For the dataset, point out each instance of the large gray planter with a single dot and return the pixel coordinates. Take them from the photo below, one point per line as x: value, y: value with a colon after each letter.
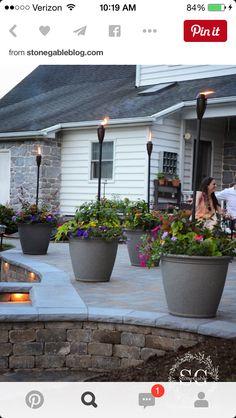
x: 92, y: 259
x: 133, y: 242
x: 193, y: 285
x: 34, y: 238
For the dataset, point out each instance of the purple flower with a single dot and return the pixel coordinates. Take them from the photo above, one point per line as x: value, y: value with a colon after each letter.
x: 164, y: 235
x: 174, y: 239
x: 80, y: 233
x: 85, y: 234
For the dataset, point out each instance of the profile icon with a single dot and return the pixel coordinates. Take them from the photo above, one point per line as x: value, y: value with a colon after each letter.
x: 201, y: 402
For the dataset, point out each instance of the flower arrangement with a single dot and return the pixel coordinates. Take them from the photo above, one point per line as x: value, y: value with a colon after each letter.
x: 137, y: 216
x: 176, y: 234
x: 92, y: 220
x: 31, y: 214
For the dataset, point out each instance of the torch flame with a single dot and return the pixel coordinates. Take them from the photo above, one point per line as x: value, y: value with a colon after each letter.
x: 206, y: 93
x: 39, y: 150
x: 105, y: 121
x: 150, y: 136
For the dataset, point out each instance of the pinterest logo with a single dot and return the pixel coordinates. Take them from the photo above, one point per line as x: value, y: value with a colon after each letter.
x: 205, y: 30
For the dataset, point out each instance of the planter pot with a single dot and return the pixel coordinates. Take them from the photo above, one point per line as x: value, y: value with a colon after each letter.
x: 133, y: 241
x: 34, y: 238
x: 92, y: 259
x: 162, y: 182
x: 175, y: 182
x: 193, y: 285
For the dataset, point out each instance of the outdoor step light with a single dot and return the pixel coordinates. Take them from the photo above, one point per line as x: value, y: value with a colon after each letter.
x: 15, y: 297
x: 2, y: 232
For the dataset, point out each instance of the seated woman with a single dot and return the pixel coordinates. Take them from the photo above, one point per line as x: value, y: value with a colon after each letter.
x: 207, y: 205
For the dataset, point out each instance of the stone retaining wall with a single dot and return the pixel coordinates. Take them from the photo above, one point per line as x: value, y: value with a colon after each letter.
x: 13, y: 273
x: 84, y: 345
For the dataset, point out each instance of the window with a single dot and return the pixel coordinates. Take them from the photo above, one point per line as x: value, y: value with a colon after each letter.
x: 170, y: 162
x: 107, y: 160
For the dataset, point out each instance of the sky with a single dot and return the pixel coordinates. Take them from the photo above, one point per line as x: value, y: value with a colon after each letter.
x: 11, y: 76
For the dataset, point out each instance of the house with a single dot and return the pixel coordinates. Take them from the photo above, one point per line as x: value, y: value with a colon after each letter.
x: 60, y: 107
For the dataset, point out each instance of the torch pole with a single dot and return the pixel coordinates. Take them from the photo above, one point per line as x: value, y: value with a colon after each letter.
x: 101, y: 134
x: 199, y: 123
x: 38, y: 161
x: 149, y: 152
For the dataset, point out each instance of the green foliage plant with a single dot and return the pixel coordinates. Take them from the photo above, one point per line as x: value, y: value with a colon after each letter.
x: 177, y: 234
x: 161, y: 176
x: 92, y: 220
x: 6, y: 214
x: 31, y: 214
x: 137, y: 216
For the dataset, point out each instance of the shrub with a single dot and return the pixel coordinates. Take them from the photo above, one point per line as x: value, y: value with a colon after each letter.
x: 6, y: 214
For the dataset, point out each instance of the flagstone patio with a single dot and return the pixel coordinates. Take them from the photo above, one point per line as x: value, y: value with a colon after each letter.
x: 134, y: 295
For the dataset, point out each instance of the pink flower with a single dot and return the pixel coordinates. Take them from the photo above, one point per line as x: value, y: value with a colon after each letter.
x: 143, y: 260
x: 199, y: 238
x: 155, y: 230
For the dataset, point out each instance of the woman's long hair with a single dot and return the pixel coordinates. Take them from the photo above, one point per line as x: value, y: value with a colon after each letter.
x: 204, y: 188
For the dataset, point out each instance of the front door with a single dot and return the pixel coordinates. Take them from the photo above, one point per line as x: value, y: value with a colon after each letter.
x: 204, y: 161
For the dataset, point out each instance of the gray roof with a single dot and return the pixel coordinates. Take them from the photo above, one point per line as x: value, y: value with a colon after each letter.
x: 54, y: 94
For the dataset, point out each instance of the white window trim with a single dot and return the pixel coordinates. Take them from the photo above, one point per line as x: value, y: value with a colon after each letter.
x: 111, y: 180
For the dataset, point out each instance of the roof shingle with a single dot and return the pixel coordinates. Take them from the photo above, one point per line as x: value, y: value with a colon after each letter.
x: 54, y: 94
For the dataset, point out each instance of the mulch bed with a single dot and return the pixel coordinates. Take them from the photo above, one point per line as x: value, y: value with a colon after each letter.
x: 222, y: 353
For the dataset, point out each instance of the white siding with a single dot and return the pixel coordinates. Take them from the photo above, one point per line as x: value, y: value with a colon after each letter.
x: 5, y: 177
x: 155, y: 74
x: 130, y: 159
x: 212, y: 130
x: 129, y: 168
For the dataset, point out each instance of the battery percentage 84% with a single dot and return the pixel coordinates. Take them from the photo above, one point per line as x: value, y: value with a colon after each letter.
x: 196, y: 7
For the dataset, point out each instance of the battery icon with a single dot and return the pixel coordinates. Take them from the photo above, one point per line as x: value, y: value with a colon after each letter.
x: 216, y: 7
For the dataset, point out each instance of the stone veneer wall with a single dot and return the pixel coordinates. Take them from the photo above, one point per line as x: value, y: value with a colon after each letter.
x: 24, y: 170
x: 229, y: 158
x: 13, y: 273
x: 84, y: 345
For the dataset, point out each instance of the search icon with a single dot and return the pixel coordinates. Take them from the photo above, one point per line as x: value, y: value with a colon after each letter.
x: 90, y: 401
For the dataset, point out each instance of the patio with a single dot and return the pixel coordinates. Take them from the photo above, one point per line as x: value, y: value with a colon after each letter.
x: 134, y: 295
